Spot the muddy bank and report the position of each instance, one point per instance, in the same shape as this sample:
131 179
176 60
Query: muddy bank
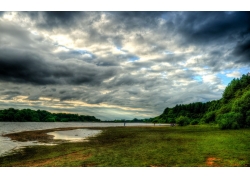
41 136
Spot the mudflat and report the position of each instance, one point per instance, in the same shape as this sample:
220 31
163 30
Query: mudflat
41 135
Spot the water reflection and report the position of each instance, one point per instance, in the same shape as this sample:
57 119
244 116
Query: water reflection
74 135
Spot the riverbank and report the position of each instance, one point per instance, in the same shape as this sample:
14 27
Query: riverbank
41 136
191 146
15 127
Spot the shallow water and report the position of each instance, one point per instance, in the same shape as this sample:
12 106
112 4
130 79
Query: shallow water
6 144
74 135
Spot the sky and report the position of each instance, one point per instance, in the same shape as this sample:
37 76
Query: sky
119 64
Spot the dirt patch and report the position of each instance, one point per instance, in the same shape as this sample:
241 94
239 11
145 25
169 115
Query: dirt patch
212 162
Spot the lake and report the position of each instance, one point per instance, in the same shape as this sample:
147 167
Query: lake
6 144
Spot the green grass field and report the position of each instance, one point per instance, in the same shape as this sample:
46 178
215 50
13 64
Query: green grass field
190 146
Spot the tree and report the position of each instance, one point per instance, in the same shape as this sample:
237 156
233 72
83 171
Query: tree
182 121
230 120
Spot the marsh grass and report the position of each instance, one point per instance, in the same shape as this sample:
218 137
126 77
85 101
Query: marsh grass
190 146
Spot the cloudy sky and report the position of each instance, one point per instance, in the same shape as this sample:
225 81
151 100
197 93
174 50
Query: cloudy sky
119 65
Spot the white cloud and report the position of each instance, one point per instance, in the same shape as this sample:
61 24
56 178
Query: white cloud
211 78
234 74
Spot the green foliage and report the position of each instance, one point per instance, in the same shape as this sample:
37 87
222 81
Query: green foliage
224 109
229 120
182 121
28 115
194 122
232 89
242 106
50 118
235 101
208 117
171 120
192 111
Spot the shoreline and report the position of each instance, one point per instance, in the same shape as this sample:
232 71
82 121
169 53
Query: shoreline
41 136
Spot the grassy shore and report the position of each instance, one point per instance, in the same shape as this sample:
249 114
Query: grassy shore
191 146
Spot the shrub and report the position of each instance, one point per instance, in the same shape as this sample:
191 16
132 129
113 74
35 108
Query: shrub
229 120
194 122
224 109
182 121
235 125
208 117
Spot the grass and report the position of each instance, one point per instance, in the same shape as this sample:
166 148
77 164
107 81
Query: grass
190 146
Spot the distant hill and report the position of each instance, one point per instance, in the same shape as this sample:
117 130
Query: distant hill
28 115
232 111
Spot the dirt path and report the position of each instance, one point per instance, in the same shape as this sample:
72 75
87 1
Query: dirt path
212 162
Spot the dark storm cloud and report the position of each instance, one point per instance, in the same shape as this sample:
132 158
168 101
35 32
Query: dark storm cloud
11 93
134 20
70 96
1 13
125 80
54 19
62 91
106 62
205 27
220 28
99 99
24 67
13 34
114 60
242 51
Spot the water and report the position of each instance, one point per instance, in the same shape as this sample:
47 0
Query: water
6 144
74 135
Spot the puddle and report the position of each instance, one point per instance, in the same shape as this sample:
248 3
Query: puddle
74 135
6 144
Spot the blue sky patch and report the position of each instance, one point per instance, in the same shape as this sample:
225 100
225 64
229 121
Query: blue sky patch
225 80
244 70
133 59
198 78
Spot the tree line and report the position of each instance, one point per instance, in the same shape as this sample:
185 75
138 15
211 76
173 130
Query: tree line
232 111
28 115
135 120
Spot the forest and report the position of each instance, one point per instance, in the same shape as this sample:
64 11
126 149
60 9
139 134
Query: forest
232 111
28 115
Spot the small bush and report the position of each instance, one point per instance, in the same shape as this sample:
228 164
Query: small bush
194 122
235 125
182 121
209 117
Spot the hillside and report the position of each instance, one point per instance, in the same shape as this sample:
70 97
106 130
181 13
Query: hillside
232 111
